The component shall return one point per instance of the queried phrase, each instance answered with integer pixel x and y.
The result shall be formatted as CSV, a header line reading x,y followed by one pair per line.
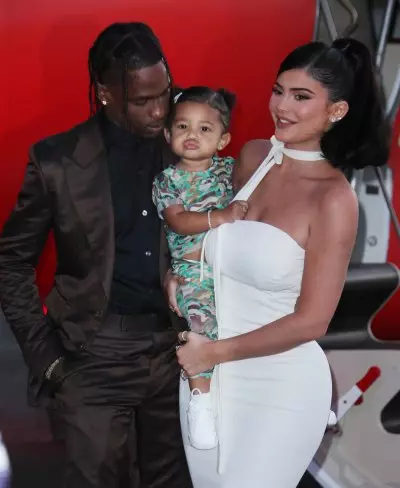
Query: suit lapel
x,y
88,182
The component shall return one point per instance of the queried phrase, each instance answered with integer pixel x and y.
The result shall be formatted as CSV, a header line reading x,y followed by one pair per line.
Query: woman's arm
x,y
185,222
331,240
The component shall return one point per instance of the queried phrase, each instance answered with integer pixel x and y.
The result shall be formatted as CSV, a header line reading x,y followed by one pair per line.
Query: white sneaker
x,y
201,421
332,420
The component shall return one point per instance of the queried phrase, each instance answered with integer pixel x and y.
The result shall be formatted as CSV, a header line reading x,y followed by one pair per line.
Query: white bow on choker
x,y
279,149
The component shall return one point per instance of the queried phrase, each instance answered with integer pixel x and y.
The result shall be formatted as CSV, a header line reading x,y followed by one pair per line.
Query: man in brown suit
x,y
104,355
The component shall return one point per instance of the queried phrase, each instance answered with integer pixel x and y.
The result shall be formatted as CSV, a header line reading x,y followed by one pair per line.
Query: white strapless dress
x,y
271,411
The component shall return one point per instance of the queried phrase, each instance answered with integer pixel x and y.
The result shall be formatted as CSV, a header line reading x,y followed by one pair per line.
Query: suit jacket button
x,y
81,347
98,314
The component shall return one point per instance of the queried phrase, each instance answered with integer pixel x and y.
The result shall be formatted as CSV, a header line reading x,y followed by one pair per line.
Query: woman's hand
x,y
196,355
170,285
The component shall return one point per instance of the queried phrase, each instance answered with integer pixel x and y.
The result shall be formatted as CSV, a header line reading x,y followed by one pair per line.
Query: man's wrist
x,y
168,275
50,370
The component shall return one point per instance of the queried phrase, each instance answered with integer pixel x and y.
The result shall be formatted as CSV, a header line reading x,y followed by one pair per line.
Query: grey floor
x,y
36,460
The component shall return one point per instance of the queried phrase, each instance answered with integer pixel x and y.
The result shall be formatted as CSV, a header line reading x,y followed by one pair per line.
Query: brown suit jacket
x,y
66,189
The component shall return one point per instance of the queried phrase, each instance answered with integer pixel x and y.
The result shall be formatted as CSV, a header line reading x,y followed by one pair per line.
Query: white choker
x,y
279,149
275,156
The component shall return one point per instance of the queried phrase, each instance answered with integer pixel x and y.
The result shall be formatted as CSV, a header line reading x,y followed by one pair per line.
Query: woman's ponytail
x,y
346,70
363,134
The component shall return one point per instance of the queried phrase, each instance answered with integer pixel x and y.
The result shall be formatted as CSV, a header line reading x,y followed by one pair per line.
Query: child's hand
x,y
236,210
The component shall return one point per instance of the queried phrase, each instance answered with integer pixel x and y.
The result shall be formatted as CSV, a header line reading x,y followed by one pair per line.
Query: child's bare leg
x,y
196,301
200,382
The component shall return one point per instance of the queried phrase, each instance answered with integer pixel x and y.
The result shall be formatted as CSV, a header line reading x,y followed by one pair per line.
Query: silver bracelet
x,y
50,369
209,219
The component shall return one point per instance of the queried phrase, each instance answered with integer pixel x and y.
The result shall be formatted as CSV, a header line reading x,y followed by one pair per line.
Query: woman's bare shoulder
x,y
255,149
250,157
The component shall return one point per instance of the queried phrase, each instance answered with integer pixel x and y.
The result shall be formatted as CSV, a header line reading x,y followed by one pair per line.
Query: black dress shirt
x,y
133,163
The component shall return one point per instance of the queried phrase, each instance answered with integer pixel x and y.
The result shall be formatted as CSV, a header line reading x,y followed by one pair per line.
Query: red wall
x,y
232,43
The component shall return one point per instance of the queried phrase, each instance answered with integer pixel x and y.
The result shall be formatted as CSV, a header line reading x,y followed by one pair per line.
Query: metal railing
x,y
391,106
393,101
347,5
324,12
383,38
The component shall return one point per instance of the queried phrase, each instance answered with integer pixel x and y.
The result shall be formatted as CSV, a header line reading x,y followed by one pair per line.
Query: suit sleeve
x,y
21,244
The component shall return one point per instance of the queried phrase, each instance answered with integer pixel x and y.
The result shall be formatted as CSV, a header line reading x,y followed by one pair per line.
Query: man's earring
x,y
104,102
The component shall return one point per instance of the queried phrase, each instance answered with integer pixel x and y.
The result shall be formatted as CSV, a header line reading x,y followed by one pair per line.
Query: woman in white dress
x,y
280,272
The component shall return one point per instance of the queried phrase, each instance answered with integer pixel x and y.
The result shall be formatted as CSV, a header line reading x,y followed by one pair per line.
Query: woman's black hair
x,y
347,71
119,48
221,100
